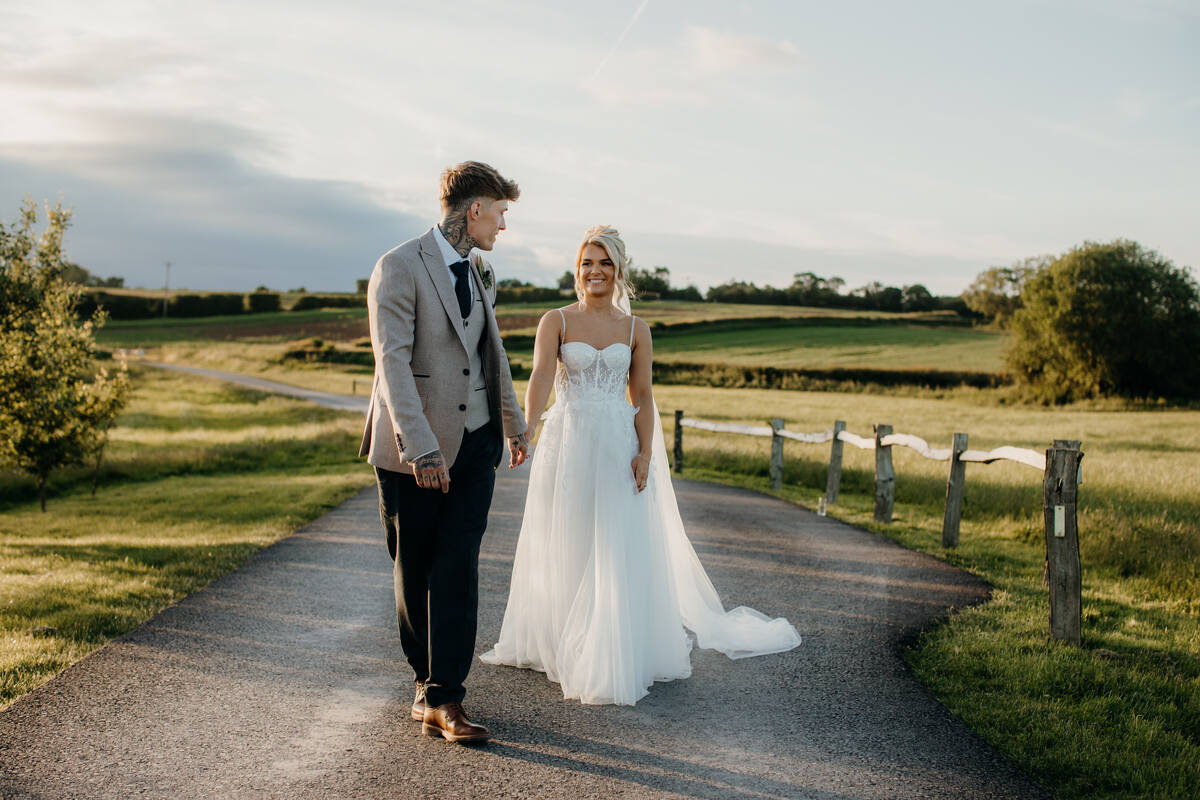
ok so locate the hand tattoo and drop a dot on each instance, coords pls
(454, 228)
(519, 441)
(429, 461)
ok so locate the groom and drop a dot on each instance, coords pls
(441, 405)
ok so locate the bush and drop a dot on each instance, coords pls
(118, 306)
(1108, 319)
(259, 302)
(308, 302)
(527, 294)
(205, 305)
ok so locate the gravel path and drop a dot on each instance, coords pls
(284, 679)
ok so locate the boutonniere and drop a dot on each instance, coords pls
(485, 272)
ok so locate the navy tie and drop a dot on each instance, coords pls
(461, 288)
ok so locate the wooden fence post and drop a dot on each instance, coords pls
(955, 486)
(678, 441)
(885, 476)
(776, 470)
(1062, 539)
(833, 478)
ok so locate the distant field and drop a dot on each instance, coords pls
(333, 323)
(873, 346)
(882, 341)
(350, 323)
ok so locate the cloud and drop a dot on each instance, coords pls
(700, 68)
(716, 51)
(178, 190)
(91, 65)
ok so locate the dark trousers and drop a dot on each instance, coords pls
(434, 539)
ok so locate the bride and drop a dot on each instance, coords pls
(605, 583)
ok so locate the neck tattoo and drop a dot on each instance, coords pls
(454, 228)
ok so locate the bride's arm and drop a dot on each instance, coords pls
(642, 395)
(545, 360)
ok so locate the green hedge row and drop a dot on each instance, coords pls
(126, 306)
(527, 294)
(214, 304)
(309, 302)
(730, 376)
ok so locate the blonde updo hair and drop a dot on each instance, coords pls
(609, 238)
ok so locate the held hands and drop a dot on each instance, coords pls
(641, 469)
(430, 472)
(518, 449)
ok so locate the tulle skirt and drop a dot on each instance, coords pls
(604, 580)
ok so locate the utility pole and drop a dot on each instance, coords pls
(166, 288)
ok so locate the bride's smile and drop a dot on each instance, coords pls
(597, 271)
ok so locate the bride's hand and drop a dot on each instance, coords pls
(641, 469)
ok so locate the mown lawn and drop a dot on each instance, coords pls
(1118, 717)
(198, 476)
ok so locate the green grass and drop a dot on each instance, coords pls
(874, 346)
(331, 323)
(1118, 717)
(198, 476)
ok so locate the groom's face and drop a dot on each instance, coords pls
(488, 221)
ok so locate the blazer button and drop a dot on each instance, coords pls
(466, 371)
(466, 323)
(462, 407)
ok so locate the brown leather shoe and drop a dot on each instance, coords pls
(450, 722)
(418, 706)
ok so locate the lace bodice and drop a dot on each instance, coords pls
(587, 374)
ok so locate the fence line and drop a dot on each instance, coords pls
(1020, 455)
(1062, 458)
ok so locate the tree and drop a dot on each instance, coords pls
(567, 280)
(73, 273)
(1108, 319)
(55, 409)
(917, 298)
(646, 283)
(810, 289)
(996, 292)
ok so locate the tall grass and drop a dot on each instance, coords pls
(1118, 717)
(198, 476)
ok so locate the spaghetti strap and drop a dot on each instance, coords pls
(632, 325)
(562, 337)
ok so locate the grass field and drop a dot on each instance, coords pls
(254, 343)
(1119, 717)
(197, 477)
(886, 346)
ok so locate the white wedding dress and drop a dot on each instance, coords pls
(605, 581)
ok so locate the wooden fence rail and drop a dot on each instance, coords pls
(1059, 494)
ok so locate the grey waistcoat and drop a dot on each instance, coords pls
(478, 413)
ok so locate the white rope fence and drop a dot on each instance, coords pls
(1020, 455)
(1058, 464)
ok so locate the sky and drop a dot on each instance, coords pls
(290, 144)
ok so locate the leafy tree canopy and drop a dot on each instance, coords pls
(1108, 319)
(55, 408)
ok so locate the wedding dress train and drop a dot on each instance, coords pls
(605, 580)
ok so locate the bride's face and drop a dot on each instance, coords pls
(597, 272)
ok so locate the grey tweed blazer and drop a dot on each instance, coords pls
(422, 369)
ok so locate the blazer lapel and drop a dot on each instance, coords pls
(489, 313)
(432, 258)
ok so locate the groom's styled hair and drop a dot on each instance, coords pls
(463, 182)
